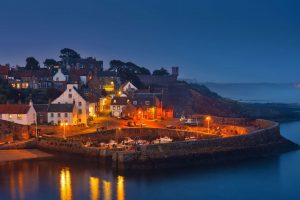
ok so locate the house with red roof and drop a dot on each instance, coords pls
(18, 113)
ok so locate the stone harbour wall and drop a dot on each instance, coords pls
(75, 147)
(258, 143)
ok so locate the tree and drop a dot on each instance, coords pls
(160, 72)
(49, 62)
(32, 63)
(145, 71)
(68, 53)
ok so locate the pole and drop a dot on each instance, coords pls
(64, 130)
(36, 128)
(208, 126)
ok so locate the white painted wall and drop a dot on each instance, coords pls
(129, 86)
(59, 76)
(24, 119)
(80, 102)
(70, 119)
(116, 110)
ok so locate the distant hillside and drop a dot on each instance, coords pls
(205, 101)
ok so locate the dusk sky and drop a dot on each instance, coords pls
(210, 40)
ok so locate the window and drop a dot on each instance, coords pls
(66, 114)
(52, 115)
(58, 102)
(70, 90)
(79, 111)
(58, 114)
(70, 95)
(147, 103)
(118, 107)
(115, 101)
(57, 79)
(19, 116)
(114, 107)
(79, 103)
(79, 120)
(10, 116)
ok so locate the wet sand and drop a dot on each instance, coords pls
(13, 155)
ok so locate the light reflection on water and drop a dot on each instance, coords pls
(65, 184)
(20, 181)
(273, 178)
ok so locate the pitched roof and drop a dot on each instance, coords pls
(43, 72)
(14, 108)
(41, 107)
(61, 107)
(119, 101)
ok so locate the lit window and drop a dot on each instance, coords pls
(79, 103)
(10, 116)
(115, 101)
(114, 107)
(147, 103)
(58, 114)
(118, 107)
(19, 116)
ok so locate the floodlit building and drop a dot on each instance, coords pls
(62, 113)
(72, 96)
(18, 113)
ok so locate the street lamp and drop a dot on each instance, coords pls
(208, 118)
(64, 125)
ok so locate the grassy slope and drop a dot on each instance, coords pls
(208, 102)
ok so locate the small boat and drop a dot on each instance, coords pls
(142, 142)
(112, 143)
(162, 140)
(128, 141)
(192, 138)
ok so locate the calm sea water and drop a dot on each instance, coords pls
(275, 178)
(259, 92)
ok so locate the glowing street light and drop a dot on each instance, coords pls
(64, 125)
(208, 118)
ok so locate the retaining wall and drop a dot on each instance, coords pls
(258, 143)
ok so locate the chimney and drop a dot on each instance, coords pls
(175, 71)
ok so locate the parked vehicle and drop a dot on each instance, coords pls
(191, 138)
(128, 141)
(131, 124)
(191, 122)
(162, 140)
(170, 126)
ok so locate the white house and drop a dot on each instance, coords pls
(62, 113)
(117, 105)
(128, 87)
(72, 96)
(60, 76)
(18, 113)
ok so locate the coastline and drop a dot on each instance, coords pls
(22, 154)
